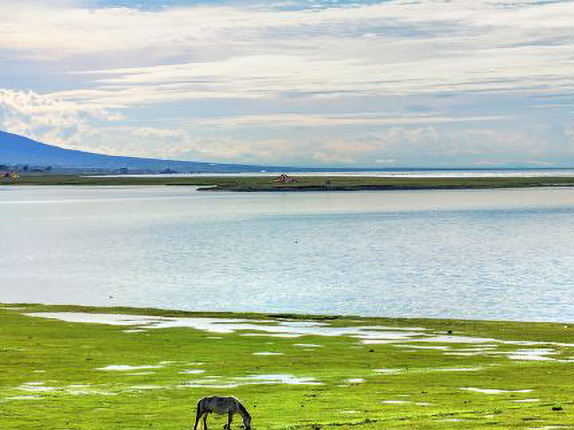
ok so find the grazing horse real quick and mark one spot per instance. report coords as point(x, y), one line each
point(221, 406)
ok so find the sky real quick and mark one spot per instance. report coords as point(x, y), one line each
point(340, 83)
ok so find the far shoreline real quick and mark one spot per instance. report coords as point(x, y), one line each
point(301, 183)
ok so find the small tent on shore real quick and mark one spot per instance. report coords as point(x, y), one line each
point(10, 176)
point(283, 178)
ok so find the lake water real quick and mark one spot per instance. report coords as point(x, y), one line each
point(480, 254)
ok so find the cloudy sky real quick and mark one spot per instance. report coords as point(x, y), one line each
point(345, 83)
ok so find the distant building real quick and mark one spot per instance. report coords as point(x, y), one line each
point(11, 175)
point(283, 178)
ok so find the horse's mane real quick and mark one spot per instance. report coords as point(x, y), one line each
point(243, 410)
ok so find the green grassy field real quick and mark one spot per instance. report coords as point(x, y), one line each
point(306, 183)
point(451, 375)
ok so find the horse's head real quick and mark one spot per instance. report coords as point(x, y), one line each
point(247, 422)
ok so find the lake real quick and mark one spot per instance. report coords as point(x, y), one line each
point(480, 254)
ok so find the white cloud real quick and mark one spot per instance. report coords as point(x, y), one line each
point(525, 69)
point(47, 118)
point(269, 61)
point(150, 132)
point(396, 47)
point(569, 132)
point(336, 120)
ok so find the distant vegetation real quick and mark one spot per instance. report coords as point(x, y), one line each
point(303, 183)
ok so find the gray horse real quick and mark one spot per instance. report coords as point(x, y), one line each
point(221, 406)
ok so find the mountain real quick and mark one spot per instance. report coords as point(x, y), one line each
point(19, 150)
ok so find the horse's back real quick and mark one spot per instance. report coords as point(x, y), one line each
point(218, 405)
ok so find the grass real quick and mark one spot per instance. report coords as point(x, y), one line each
point(66, 357)
point(306, 183)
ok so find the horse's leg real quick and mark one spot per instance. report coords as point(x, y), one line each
point(197, 418)
point(205, 421)
point(229, 419)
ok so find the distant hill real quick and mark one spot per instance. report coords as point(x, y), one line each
point(19, 150)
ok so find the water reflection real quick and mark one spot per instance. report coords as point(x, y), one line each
point(497, 254)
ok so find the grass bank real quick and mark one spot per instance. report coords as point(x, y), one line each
point(291, 372)
point(306, 183)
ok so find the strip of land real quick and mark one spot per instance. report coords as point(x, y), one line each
point(73, 367)
point(304, 183)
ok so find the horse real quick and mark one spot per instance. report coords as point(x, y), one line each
point(221, 406)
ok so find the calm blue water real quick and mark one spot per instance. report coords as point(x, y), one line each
point(500, 254)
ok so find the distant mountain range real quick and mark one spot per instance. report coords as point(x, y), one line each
point(19, 150)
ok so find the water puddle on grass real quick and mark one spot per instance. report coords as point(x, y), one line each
point(275, 328)
point(457, 339)
point(192, 371)
point(146, 387)
point(73, 389)
point(126, 367)
point(25, 398)
point(551, 427)
point(401, 402)
point(283, 335)
point(532, 354)
point(537, 343)
point(540, 354)
point(280, 379)
point(374, 339)
point(86, 390)
point(35, 387)
point(355, 381)
point(78, 389)
point(389, 371)
point(456, 369)
point(265, 379)
point(410, 338)
point(474, 351)
point(439, 348)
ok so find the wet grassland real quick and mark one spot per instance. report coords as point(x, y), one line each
point(305, 183)
point(71, 367)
